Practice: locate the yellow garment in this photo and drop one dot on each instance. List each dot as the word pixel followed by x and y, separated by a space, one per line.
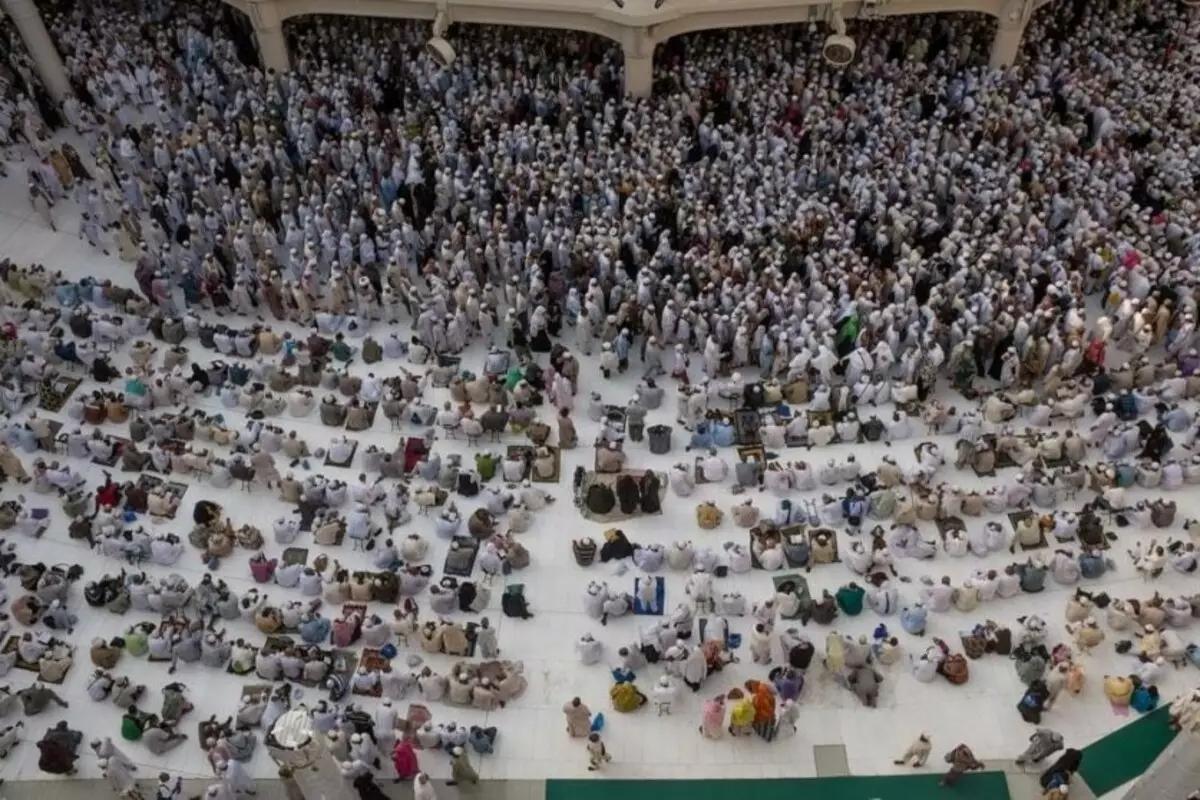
pixel 741 713
pixel 1118 689
pixel 708 516
pixel 625 697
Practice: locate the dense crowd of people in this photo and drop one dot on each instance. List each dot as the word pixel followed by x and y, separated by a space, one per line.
pixel 915 186
pixel 913 216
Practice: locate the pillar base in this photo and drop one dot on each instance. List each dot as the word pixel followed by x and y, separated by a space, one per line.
pixel 1005 47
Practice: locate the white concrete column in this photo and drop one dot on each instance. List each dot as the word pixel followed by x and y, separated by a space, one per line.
pixel 41 49
pixel 639 75
pixel 638 45
pixel 1006 46
pixel 268 30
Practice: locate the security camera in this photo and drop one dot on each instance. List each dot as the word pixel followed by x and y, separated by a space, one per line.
pixel 839 49
pixel 441 51
pixel 437 46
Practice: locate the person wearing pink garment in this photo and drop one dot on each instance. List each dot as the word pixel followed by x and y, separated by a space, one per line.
pixel 404 759
pixel 712 721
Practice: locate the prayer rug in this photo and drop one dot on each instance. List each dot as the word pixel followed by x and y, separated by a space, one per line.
pixel 249 670
pixel 173 446
pixel 119 446
pixel 526 450
pixel 344 464
pixel 610 478
pixel 660 591
pixel 150 482
pixel 791 582
pixel 1015 517
pixel 371 660
pixel 460 556
pixel 11 645
pixel 55 392
pixel 555 474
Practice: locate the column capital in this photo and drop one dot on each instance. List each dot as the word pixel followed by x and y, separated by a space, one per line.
pixel 264 14
pixel 638 43
pixel 1016 13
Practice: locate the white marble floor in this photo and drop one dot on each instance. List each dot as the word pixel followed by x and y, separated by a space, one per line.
pixel 531 742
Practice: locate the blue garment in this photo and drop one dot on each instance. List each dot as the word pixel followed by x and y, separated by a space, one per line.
pixel 622 347
pixel 854 507
pixel 722 434
pixel 482 740
pixel 789 687
pixel 315 630
pixel 912 619
pixel 1092 566
pixel 766 353
pixel 66 352
pixel 702 436
pixel 67 295
pixel 388 190
pixel 1143 700
pixel 1126 475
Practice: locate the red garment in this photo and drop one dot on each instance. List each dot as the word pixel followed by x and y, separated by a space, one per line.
pixel 108 496
pixel 404 759
pixel 262 569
